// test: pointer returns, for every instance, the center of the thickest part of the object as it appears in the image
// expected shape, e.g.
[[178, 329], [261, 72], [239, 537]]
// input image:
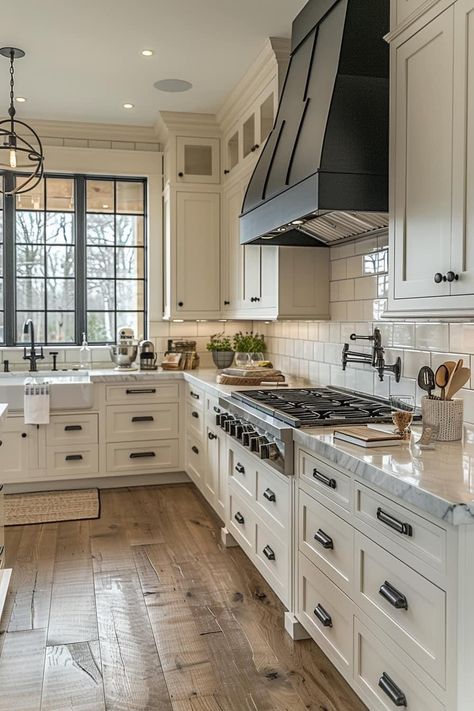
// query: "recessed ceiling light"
[[148, 52], [20, 99], [298, 222], [128, 106], [105, 207], [173, 85]]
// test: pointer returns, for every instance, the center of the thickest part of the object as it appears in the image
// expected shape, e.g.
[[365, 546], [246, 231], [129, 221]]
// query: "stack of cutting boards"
[[250, 376]]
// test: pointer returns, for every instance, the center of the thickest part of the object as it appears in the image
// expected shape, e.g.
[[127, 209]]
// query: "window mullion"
[[9, 280], [80, 223]]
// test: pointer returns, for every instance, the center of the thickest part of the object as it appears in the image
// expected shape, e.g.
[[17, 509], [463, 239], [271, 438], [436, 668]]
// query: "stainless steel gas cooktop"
[[312, 407]]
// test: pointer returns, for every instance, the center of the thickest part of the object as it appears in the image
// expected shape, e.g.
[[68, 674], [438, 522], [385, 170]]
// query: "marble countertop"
[[3, 411], [439, 481]]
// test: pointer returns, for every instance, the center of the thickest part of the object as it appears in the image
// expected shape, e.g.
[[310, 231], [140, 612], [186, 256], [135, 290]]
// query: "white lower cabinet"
[[258, 515], [384, 676], [147, 457], [374, 590], [326, 613], [19, 450]]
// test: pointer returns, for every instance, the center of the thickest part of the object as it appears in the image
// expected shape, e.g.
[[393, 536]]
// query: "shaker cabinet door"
[[422, 72]]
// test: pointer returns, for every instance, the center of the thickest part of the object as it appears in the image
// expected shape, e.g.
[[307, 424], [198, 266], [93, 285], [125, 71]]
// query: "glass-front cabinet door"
[[197, 160]]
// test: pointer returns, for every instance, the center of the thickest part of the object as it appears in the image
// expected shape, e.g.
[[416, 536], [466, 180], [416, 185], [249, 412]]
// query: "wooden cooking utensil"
[[442, 379], [457, 380], [454, 370]]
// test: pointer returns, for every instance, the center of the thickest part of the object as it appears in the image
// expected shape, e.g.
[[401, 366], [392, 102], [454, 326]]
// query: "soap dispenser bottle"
[[85, 356]]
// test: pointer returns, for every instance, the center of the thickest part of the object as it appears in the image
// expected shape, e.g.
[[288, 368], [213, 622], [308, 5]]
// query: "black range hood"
[[322, 176]]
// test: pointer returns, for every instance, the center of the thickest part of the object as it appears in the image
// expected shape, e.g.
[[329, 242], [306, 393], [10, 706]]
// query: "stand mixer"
[[124, 352]]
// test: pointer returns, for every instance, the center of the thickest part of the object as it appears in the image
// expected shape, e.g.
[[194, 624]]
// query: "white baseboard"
[[106, 482]]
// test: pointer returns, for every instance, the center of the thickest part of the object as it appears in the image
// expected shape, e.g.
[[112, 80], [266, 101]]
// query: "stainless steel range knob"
[[269, 450], [222, 419], [246, 435], [228, 423], [255, 442], [233, 427]]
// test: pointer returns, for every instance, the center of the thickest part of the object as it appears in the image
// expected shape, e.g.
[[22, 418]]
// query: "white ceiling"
[[83, 57]]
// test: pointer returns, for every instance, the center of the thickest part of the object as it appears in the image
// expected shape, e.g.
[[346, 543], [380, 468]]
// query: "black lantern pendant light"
[[20, 145]]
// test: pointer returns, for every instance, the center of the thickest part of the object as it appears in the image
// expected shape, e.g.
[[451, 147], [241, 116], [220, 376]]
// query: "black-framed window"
[[77, 260]]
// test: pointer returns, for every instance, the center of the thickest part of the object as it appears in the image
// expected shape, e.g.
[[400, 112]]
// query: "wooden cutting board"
[[236, 380]]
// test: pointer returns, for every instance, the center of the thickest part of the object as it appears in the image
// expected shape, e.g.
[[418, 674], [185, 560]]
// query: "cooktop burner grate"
[[310, 407]]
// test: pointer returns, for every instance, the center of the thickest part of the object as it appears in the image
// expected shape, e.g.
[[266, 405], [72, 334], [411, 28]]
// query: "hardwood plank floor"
[[144, 610]]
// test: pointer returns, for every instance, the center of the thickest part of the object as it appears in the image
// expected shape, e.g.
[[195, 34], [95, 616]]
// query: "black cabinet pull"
[[141, 455], [399, 526], [72, 428], [211, 435], [394, 693], [217, 409], [194, 395], [240, 468], [325, 540], [324, 617], [269, 553], [73, 457], [269, 495], [195, 449], [326, 480], [195, 414], [140, 391], [393, 596], [239, 518], [143, 418]]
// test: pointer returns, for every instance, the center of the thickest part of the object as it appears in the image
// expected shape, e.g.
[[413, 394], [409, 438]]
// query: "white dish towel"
[[36, 403]]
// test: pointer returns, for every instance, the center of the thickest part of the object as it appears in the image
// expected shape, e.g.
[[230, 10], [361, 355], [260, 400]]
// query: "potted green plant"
[[249, 348], [221, 348]]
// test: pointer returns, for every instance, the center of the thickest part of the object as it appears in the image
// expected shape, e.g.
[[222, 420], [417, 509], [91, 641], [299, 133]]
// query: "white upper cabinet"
[[432, 166], [192, 254], [197, 160]]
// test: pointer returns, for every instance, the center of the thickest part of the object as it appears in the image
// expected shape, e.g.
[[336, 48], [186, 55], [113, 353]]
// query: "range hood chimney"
[[322, 176]]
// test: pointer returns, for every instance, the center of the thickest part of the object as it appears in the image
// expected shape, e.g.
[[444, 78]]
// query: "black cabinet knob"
[[211, 435], [451, 276], [180, 175], [226, 172], [23, 434], [254, 147], [438, 277], [180, 303], [226, 303]]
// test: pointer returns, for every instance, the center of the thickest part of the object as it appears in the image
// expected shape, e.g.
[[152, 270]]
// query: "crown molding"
[[173, 121], [94, 131], [273, 58]]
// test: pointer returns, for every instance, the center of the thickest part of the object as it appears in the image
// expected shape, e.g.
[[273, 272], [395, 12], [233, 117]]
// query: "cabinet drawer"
[[273, 496], [273, 559], [407, 606], [142, 392], [241, 520], [194, 420], [154, 456], [72, 429], [243, 472], [76, 461], [195, 460], [325, 612], [409, 531], [325, 479], [374, 662], [195, 396], [144, 422], [327, 540]]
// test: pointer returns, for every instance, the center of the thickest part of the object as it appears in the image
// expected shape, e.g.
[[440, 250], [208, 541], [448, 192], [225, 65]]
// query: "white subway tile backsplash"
[[403, 335], [338, 310], [355, 266], [341, 251], [432, 336], [339, 269], [365, 288], [412, 361]]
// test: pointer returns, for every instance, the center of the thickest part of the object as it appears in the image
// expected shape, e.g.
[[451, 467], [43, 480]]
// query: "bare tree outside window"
[[79, 259]]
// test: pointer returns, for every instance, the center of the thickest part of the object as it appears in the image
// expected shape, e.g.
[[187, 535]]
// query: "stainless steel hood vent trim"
[[328, 151]]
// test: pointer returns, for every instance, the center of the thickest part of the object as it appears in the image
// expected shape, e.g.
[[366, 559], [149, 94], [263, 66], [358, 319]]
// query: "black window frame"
[[80, 242]]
